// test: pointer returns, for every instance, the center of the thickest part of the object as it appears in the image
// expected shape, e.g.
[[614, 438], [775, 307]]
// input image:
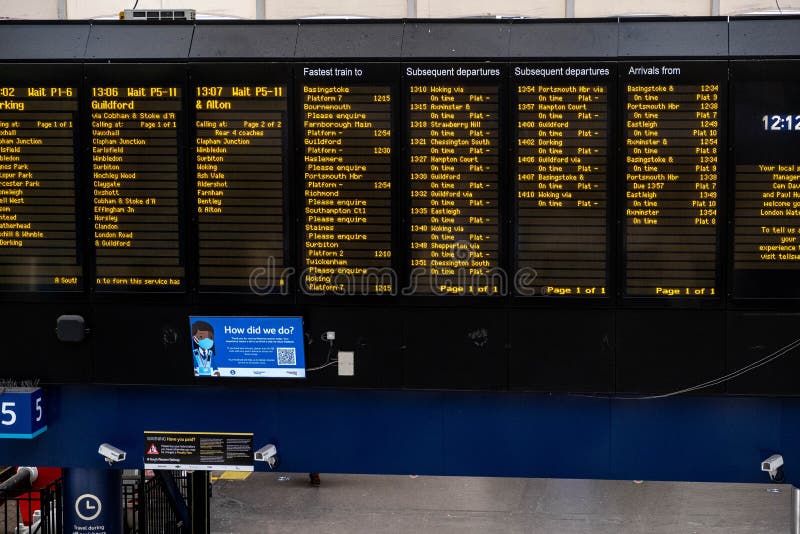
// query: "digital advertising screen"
[[247, 347]]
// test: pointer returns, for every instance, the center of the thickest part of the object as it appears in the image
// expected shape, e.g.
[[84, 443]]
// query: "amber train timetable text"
[[562, 169], [37, 189], [240, 160], [134, 170], [768, 216], [454, 158], [673, 124], [766, 200], [347, 181]]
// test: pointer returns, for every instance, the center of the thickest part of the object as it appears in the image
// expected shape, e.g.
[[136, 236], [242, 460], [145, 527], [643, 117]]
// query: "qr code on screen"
[[287, 356]]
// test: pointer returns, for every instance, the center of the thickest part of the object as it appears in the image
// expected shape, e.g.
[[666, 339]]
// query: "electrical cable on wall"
[[714, 382], [329, 360]]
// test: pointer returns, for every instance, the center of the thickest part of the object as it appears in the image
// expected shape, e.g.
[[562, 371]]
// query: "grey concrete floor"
[[398, 504]]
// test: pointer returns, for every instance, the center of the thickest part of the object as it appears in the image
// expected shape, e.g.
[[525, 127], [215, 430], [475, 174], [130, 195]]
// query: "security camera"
[[111, 453], [774, 466], [268, 453]]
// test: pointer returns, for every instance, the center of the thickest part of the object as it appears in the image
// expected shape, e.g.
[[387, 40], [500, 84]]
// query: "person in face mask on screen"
[[203, 349]]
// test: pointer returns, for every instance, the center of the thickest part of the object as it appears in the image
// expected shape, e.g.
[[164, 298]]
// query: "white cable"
[[725, 378], [746, 369], [328, 361], [323, 366]]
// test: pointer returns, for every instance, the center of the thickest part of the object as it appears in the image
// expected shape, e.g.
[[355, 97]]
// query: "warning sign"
[[200, 451]]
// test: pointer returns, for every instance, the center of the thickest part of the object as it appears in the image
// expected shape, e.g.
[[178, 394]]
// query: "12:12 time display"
[[781, 123]]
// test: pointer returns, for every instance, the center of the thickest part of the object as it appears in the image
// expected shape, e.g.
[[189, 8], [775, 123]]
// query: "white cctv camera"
[[111, 453], [268, 453], [774, 466]]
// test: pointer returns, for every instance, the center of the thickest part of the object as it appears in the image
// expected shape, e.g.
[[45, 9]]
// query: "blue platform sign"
[[248, 347], [22, 413]]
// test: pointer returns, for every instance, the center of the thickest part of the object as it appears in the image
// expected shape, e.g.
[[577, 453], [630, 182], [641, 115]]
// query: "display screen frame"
[[239, 336], [124, 74], [59, 74], [375, 73], [693, 71], [742, 291], [229, 73], [611, 81], [503, 182]]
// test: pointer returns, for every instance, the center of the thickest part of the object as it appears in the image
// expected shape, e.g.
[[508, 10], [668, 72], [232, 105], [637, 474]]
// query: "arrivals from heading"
[[654, 70]]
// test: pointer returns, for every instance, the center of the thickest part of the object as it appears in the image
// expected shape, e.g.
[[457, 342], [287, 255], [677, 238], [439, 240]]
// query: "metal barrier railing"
[[31, 511], [147, 506]]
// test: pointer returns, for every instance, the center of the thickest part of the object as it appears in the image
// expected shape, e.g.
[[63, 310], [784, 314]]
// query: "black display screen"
[[453, 151], [135, 170], [241, 125], [346, 113], [38, 131], [673, 131], [766, 241], [561, 119]]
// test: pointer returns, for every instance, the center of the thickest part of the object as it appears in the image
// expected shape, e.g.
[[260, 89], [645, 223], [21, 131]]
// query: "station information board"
[[673, 137], [135, 200], [766, 255], [38, 239], [562, 164], [347, 137], [453, 148], [240, 164]]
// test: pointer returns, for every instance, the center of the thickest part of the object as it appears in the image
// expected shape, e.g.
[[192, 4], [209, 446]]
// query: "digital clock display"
[[781, 123], [766, 210]]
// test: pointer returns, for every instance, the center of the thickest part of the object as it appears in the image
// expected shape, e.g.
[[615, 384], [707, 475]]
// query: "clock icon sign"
[[88, 507]]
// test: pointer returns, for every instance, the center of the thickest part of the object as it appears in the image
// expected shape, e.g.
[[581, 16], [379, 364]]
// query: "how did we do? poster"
[[247, 347]]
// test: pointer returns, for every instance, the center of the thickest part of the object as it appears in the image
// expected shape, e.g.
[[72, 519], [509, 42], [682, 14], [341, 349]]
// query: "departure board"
[[134, 169], [454, 126], [673, 136], [347, 132], [766, 248], [240, 165], [38, 239], [562, 163]]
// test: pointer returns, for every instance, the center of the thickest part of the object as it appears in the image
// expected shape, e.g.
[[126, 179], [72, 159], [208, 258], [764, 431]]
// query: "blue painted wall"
[[437, 433]]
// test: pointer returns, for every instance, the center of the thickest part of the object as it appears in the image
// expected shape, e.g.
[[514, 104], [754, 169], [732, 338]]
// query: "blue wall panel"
[[702, 439], [526, 435], [425, 432]]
